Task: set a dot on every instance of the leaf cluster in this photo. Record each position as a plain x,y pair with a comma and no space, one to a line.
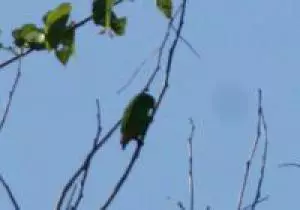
58,31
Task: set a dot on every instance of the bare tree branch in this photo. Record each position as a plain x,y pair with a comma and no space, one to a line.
157,50
137,71
190,172
99,128
264,156
297,165
123,177
188,44
85,173
170,55
160,52
250,160
84,168
190,151
69,204
9,192
179,204
265,198
182,8
15,58
82,171
85,165
11,94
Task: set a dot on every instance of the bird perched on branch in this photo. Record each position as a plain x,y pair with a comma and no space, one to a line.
136,119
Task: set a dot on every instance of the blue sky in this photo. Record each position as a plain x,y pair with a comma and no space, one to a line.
244,45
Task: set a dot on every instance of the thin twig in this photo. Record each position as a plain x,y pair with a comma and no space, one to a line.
11,95
297,165
15,58
85,164
9,192
85,174
137,71
265,198
69,204
190,152
161,48
264,158
157,50
171,53
179,204
99,128
123,177
249,161
188,44
84,168
82,186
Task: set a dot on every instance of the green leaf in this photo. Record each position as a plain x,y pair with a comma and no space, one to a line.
118,25
56,24
29,36
52,16
166,6
104,15
64,53
60,35
98,10
67,47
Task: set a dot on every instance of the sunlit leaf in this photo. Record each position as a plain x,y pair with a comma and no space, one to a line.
29,36
104,16
63,54
60,34
99,12
67,47
56,24
54,15
118,25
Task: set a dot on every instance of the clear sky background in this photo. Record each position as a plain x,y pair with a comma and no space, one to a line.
244,45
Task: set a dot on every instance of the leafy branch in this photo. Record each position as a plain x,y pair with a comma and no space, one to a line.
58,33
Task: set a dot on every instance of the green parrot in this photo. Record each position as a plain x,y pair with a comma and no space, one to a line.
136,118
